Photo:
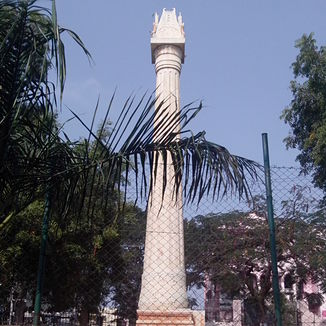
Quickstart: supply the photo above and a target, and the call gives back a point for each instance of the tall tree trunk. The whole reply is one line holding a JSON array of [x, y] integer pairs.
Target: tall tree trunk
[[262, 311], [20, 309], [83, 318]]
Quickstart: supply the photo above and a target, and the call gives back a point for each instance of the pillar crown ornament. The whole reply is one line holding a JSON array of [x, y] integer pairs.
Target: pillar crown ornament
[[168, 30]]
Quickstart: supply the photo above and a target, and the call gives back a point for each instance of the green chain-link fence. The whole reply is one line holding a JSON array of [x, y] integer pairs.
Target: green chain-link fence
[[94, 267]]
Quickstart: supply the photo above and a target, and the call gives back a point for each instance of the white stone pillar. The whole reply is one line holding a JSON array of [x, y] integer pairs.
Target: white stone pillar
[[164, 279]]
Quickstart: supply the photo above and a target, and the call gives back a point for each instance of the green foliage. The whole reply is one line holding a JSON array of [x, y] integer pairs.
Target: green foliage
[[19, 252], [233, 250], [315, 300], [234, 247], [93, 257], [129, 283], [306, 115], [289, 311], [31, 151], [89, 263]]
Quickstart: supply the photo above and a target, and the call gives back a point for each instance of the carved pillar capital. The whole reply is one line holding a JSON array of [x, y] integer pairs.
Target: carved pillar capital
[[168, 56]]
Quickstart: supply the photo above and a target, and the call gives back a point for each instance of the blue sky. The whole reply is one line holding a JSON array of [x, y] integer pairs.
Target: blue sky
[[238, 61]]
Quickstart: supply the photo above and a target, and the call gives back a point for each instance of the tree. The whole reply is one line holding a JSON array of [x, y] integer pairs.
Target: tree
[[19, 248], [80, 267], [232, 249], [99, 255], [129, 284], [91, 262], [306, 113], [30, 45]]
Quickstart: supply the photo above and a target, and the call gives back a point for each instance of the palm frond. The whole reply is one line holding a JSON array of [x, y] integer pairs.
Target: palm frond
[[30, 45], [205, 167]]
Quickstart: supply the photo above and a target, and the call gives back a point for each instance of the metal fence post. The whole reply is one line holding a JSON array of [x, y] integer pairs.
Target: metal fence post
[[40, 272], [271, 224]]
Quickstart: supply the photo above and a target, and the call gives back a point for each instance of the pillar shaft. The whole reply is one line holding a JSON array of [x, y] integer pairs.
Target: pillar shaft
[[164, 279]]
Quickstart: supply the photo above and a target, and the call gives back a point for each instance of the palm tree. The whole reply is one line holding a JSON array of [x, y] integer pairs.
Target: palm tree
[[30, 45], [32, 153]]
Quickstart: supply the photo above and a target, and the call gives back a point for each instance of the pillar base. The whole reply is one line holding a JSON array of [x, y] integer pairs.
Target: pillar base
[[184, 317]]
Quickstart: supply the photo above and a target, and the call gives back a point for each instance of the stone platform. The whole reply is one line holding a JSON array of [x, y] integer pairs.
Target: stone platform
[[172, 318]]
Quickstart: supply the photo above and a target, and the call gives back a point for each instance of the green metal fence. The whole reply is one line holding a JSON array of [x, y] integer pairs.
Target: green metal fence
[[94, 267]]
